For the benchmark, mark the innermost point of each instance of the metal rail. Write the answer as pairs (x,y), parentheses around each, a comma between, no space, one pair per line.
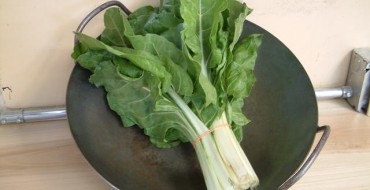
(25,115)
(330,93)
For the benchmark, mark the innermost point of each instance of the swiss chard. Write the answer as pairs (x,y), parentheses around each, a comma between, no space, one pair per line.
(179,72)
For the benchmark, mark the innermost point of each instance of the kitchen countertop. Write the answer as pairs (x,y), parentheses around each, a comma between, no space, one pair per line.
(44,156)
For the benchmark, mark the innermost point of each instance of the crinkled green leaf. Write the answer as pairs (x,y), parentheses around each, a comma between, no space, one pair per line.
(163,21)
(208,89)
(237,14)
(126,69)
(201,21)
(140,17)
(236,117)
(239,74)
(159,46)
(107,71)
(140,102)
(150,42)
(78,50)
(201,18)
(173,58)
(113,33)
(140,58)
(181,81)
(173,35)
(172,6)
(91,59)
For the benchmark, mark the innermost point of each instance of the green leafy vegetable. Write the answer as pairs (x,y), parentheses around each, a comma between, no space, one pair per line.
(180,72)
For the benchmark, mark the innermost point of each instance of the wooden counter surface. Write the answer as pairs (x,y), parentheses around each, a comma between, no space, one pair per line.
(44,156)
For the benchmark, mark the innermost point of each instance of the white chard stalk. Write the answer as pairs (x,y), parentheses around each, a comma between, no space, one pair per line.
(223,162)
(234,156)
(213,167)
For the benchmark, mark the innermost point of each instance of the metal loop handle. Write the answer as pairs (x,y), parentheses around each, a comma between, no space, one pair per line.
(96,11)
(304,168)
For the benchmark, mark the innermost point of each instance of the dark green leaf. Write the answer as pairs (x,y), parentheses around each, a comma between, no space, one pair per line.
(114,28)
(172,6)
(236,117)
(181,81)
(237,14)
(140,17)
(163,21)
(140,58)
(201,20)
(91,59)
(127,69)
(239,74)
(140,102)
(78,50)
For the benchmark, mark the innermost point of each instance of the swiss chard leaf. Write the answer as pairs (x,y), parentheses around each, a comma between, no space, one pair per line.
(141,102)
(140,17)
(166,51)
(151,43)
(126,69)
(78,50)
(201,18)
(140,58)
(91,59)
(239,73)
(113,33)
(236,117)
(181,81)
(237,14)
(172,6)
(163,21)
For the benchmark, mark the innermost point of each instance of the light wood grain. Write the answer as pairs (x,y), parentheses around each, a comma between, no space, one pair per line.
(44,156)
(344,162)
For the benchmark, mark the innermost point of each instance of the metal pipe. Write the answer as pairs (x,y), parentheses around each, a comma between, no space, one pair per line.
(330,93)
(23,115)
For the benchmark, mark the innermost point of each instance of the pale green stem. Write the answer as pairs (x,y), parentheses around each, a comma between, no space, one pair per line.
(233,155)
(206,149)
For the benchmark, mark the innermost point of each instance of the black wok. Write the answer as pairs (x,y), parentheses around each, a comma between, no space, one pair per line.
(282,107)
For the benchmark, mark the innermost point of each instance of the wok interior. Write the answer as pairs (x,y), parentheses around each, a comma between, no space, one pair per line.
(282,108)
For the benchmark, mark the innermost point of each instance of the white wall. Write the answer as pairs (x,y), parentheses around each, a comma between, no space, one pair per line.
(321,33)
(36,40)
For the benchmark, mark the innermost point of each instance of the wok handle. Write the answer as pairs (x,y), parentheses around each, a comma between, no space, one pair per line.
(304,168)
(96,11)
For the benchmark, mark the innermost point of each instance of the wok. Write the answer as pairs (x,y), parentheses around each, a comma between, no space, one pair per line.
(282,107)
